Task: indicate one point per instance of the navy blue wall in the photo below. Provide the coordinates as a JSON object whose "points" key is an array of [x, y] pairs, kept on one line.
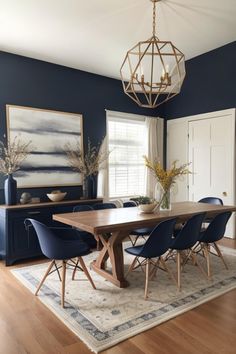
{"points": [[209, 84], [34, 83]]}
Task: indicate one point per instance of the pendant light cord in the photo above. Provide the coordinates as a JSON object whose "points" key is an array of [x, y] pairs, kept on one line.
{"points": [[154, 19]]}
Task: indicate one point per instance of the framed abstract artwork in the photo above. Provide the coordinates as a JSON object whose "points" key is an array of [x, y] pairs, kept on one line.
{"points": [[48, 131]]}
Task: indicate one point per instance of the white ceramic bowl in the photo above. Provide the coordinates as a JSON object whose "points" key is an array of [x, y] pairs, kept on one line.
{"points": [[56, 197], [147, 208]]}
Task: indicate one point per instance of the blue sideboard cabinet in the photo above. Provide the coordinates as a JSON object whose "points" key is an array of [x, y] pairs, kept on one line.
{"points": [[17, 243]]}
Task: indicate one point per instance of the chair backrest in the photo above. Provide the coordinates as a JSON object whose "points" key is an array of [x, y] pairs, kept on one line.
{"points": [[99, 206], [159, 240], [211, 200], [49, 242], [189, 234], [129, 204], [216, 228], [82, 208]]}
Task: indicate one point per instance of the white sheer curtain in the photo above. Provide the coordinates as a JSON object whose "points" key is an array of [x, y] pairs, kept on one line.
{"points": [[103, 185], [154, 151], [155, 127]]}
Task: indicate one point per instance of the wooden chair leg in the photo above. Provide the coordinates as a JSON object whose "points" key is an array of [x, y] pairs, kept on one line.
{"points": [[220, 255], [57, 269], [153, 273], [179, 270], [147, 279], [133, 241], [131, 267], [45, 276], [207, 256], [86, 271], [74, 271], [63, 283], [194, 258], [164, 265]]}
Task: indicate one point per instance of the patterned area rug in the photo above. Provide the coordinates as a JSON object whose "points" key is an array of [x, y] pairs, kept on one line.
{"points": [[104, 317]]}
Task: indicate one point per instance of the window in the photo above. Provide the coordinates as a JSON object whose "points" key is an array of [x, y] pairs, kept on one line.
{"points": [[127, 141]]}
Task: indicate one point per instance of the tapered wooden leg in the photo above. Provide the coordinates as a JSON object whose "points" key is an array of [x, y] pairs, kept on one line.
{"points": [[132, 265], [57, 269], [220, 255], [86, 271], [63, 283], [164, 265], [147, 279], [154, 270], [45, 276], [194, 258], [74, 271], [207, 256], [179, 270]]}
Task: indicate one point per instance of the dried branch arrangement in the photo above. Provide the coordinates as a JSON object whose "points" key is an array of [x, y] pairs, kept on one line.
{"points": [[167, 178], [89, 163], [12, 155]]}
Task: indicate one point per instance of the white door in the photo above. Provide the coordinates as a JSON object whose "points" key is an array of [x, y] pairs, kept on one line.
{"points": [[211, 151]]}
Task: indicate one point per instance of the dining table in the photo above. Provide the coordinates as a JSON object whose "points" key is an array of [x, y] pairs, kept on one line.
{"points": [[112, 226]]}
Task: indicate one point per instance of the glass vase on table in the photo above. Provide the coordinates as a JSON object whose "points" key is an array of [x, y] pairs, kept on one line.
{"points": [[163, 196]]}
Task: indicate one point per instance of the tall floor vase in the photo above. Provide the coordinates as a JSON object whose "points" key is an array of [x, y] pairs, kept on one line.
{"points": [[10, 190], [90, 187]]}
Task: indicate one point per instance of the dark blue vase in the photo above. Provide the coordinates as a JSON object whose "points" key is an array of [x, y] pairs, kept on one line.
{"points": [[90, 191], [10, 188]]}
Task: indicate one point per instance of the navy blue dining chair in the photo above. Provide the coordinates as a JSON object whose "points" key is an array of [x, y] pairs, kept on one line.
{"points": [[87, 237], [129, 204], [207, 200], [152, 251], [137, 233], [60, 244], [208, 238], [185, 240], [82, 207], [210, 200], [100, 206]]}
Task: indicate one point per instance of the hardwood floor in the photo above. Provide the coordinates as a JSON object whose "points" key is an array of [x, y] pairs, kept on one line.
{"points": [[28, 327]]}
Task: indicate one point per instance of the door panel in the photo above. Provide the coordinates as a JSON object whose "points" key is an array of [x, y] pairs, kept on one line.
{"points": [[211, 150]]}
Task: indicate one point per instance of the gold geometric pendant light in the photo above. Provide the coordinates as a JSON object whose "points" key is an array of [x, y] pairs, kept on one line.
{"points": [[153, 71]]}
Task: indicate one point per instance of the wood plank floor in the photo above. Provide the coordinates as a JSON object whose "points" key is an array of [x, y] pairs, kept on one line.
{"points": [[27, 326]]}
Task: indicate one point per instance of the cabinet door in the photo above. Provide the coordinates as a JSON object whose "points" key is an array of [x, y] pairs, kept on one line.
{"points": [[23, 242]]}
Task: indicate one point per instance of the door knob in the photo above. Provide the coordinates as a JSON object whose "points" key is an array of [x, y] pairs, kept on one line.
{"points": [[224, 194]]}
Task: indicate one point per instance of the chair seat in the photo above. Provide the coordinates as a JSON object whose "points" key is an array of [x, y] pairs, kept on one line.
{"points": [[136, 250], [75, 249], [142, 231]]}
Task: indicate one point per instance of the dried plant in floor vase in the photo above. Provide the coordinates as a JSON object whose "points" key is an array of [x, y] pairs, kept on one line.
{"points": [[88, 164]]}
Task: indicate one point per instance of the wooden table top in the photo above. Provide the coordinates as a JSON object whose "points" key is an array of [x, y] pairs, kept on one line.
{"points": [[111, 220]]}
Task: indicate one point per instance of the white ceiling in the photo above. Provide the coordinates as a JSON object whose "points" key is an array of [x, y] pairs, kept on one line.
{"points": [[94, 35]]}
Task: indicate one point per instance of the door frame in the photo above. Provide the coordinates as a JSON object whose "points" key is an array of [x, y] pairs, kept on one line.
{"points": [[185, 122]]}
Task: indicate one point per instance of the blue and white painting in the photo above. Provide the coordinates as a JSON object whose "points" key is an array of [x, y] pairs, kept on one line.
{"points": [[48, 132]]}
